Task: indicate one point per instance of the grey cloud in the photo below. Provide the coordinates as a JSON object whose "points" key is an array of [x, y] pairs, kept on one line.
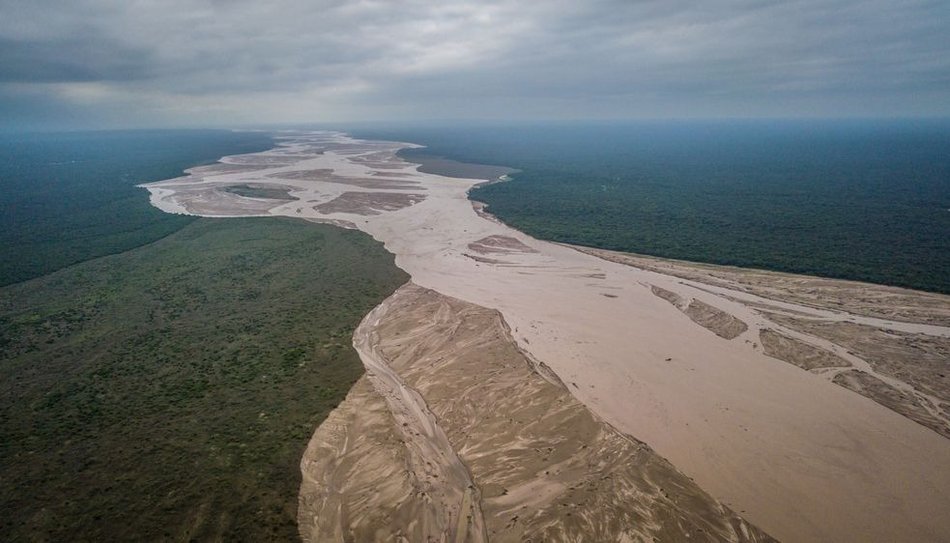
{"points": [[76, 59], [305, 60]]}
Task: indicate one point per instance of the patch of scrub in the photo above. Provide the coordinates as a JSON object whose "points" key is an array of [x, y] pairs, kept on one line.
{"points": [[268, 192], [219, 168], [715, 320], [919, 360], [854, 297], [369, 203], [499, 245], [667, 295], [892, 398], [327, 176], [709, 317], [797, 352]]}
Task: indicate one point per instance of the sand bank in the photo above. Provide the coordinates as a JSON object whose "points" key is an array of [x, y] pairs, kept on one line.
{"points": [[490, 449]]}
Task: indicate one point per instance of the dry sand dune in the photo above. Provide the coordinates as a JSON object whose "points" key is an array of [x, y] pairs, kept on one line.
{"points": [[806, 452], [529, 461]]}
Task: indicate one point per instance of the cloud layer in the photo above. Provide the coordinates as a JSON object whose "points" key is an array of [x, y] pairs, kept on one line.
{"points": [[190, 62]]}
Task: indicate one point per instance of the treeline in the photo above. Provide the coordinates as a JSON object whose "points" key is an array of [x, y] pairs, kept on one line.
{"points": [[168, 393], [868, 201], [69, 197]]}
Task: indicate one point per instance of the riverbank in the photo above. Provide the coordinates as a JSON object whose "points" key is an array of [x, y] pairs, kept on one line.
{"points": [[857, 200], [167, 393]]}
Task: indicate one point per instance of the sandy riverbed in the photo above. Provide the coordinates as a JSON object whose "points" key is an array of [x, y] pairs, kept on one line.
{"points": [[802, 455], [486, 448]]}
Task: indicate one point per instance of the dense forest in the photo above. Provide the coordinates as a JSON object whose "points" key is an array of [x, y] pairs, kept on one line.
{"points": [[851, 199], [161, 375], [167, 393], [68, 197]]}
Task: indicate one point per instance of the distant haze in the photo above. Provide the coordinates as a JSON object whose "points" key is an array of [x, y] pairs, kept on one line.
{"points": [[112, 63]]}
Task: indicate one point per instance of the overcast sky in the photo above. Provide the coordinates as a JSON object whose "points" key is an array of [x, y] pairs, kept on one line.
{"points": [[105, 63]]}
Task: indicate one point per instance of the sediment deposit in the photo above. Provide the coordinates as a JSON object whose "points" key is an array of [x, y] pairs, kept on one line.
{"points": [[517, 457]]}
